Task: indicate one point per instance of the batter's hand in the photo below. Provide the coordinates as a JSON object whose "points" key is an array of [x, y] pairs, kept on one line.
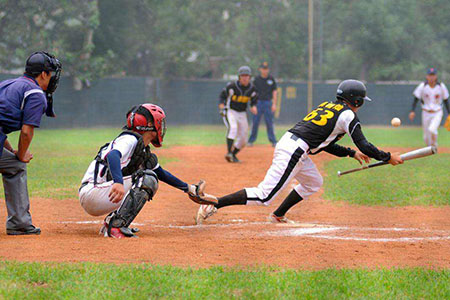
{"points": [[412, 115], [26, 157], [361, 157], [395, 159], [117, 192], [253, 110], [274, 107]]}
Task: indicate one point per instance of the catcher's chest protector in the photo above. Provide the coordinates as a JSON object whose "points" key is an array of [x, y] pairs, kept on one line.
{"points": [[140, 154]]}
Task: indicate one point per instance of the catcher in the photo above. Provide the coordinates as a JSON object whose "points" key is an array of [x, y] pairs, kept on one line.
{"points": [[125, 174]]}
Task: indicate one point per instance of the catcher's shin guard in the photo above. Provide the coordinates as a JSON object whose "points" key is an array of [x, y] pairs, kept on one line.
{"points": [[145, 185]]}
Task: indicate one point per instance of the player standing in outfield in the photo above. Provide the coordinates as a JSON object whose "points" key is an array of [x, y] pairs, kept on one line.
{"points": [[266, 86], [432, 94], [319, 130], [233, 102], [124, 175], [23, 101]]}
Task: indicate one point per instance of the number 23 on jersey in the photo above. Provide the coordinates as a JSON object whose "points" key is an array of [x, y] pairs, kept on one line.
{"points": [[323, 113]]}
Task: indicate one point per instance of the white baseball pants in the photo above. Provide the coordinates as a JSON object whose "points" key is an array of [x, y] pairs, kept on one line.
{"points": [[430, 125], [237, 125], [290, 160], [95, 199]]}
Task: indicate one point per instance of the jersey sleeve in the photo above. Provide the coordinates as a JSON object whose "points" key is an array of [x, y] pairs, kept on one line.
{"points": [[34, 106], [253, 97], [418, 91], [274, 85], [125, 144], [226, 91], [365, 147], [444, 91]]}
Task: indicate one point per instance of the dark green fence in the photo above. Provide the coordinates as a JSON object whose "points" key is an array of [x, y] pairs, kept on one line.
{"points": [[195, 101]]}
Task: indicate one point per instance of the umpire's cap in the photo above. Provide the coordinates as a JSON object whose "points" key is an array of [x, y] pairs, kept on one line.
{"points": [[41, 61], [244, 70], [353, 92]]}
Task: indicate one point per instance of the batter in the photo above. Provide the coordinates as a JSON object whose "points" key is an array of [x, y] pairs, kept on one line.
{"points": [[318, 131]]}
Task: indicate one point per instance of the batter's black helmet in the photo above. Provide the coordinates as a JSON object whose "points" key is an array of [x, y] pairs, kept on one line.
{"points": [[352, 91], [244, 70]]}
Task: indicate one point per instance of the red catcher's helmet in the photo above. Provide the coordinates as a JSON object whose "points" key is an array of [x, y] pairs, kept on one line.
{"points": [[139, 117]]}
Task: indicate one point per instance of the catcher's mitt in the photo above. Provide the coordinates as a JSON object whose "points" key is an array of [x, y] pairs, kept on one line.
{"points": [[196, 193], [447, 123]]}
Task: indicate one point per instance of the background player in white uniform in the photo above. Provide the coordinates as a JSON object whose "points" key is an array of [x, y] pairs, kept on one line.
{"points": [[432, 94], [124, 175], [319, 130], [233, 102]]}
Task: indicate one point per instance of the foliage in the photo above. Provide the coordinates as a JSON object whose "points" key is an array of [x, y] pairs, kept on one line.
{"points": [[371, 40]]}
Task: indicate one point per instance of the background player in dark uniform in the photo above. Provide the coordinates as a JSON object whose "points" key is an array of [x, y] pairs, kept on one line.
{"points": [[233, 102], [23, 101], [266, 86], [319, 130]]}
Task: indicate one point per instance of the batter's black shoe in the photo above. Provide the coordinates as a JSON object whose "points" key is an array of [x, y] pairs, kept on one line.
{"points": [[235, 159], [24, 231]]}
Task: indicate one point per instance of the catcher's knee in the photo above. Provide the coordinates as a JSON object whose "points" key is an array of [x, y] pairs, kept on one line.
{"points": [[146, 180], [145, 185]]}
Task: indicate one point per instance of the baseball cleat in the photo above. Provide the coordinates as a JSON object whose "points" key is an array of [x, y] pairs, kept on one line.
{"points": [[229, 157], [277, 220], [204, 212], [235, 159], [118, 233]]}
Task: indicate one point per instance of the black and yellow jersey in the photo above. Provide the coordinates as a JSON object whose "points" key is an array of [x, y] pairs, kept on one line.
{"points": [[327, 124], [237, 96]]}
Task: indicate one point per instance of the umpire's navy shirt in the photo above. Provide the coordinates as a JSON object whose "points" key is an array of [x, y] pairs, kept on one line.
{"points": [[265, 86], [22, 102]]}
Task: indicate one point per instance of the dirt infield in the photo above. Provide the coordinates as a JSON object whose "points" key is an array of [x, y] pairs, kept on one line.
{"points": [[328, 234]]}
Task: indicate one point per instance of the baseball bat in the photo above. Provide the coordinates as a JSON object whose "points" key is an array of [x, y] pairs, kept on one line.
{"points": [[422, 152]]}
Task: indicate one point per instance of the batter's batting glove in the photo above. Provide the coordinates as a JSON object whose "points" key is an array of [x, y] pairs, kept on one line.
{"points": [[196, 193]]}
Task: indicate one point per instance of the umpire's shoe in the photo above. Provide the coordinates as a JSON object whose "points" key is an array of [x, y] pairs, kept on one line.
{"points": [[24, 231]]}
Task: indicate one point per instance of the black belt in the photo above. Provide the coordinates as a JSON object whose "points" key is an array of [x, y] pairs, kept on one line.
{"points": [[294, 137], [83, 184]]}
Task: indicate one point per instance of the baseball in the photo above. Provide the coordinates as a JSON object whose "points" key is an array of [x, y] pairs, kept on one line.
{"points": [[396, 122]]}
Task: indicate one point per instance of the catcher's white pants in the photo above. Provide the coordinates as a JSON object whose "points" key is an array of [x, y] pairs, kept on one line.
{"points": [[237, 125], [430, 125], [95, 199], [290, 160]]}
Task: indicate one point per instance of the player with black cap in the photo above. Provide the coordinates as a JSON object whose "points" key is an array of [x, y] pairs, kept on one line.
{"points": [[319, 130], [23, 101]]}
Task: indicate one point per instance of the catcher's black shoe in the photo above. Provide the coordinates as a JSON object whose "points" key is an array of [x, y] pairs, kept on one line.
{"points": [[24, 231]]}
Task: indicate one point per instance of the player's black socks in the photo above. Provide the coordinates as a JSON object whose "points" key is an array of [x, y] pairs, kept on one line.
{"points": [[235, 151], [292, 199], [229, 144], [238, 198]]}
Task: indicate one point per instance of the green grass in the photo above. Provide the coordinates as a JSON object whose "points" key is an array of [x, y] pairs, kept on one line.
{"points": [[143, 281], [423, 181], [62, 157]]}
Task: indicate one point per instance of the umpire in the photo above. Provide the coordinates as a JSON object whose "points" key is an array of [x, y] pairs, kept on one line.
{"points": [[23, 101], [267, 103]]}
